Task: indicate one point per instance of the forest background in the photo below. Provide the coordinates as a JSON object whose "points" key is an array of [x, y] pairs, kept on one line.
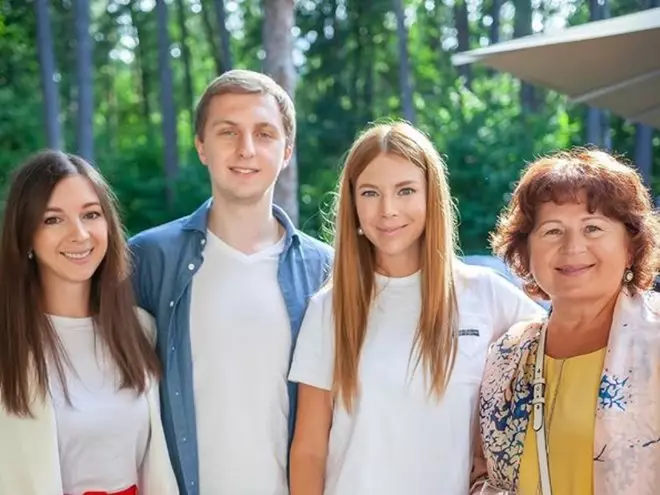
{"points": [[117, 81]]}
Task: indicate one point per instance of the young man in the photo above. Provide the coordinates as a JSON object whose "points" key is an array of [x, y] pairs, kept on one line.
{"points": [[228, 286]]}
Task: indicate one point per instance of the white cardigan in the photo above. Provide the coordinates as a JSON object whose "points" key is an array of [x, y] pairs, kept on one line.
{"points": [[29, 456]]}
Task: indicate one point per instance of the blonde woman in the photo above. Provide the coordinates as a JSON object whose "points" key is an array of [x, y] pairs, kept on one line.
{"points": [[390, 354]]}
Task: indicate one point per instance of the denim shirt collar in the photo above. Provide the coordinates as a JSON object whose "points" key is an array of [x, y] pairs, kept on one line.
{"points": [[198, 221]]}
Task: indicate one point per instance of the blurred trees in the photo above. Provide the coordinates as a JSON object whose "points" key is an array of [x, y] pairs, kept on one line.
{"points": [[348, 62]]}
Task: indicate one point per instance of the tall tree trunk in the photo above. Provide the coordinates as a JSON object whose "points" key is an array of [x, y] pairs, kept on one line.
{"points": [[278, 44], [594, 115], [494, 28], [644, 151], [494, 31], [85, 80], [368, 69], [522, 26], [405, 77], [111, 127], [368, 95], [167, 103], [65, 54], [644, 137], [210, 36], [143, 68], [185, 57], [606, 130], [47, 69], [356, 16], [463, 34], [359, 81], [225, 42]]}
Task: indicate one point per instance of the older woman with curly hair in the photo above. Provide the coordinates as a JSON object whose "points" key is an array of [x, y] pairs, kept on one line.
{"points": [[571, 404]]}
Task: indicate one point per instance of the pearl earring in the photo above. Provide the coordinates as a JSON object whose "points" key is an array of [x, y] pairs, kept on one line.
{"points": [[30, 254], [360, 231], [628, 275]]}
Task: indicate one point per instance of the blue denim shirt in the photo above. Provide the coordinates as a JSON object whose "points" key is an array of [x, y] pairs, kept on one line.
{"points": [[165, 260]]}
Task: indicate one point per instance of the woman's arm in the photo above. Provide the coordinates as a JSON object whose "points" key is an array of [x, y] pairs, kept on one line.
{"points": [[479, 474], [310, 441]]}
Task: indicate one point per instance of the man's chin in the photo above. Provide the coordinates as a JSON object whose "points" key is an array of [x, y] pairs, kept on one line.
{"points": [[244, 197]]}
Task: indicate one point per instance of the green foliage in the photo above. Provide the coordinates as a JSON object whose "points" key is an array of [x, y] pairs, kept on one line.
{"points": [[348, 77], [141, 190]]}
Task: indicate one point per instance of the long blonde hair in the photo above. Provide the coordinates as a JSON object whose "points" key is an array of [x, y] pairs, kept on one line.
{"points": [[353, 272]]}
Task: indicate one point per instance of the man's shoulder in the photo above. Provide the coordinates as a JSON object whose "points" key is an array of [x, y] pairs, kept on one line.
{"points": [[173, 233], [314, 247], [159, 236]]}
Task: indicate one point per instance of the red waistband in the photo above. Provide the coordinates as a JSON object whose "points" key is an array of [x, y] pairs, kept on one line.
{"points": [[129, 491]]}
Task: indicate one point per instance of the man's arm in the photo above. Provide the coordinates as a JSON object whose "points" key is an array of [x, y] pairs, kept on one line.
{"points": [[141, 273]]}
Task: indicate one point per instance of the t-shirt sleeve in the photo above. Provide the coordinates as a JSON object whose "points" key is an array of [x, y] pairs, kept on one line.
{"points": [[313, 358], [512, 306]]}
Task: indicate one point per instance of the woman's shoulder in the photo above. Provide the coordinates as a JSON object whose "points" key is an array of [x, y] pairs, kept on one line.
{"points": [[652, 305], [504, 360], [519, 337], [639, 309]]}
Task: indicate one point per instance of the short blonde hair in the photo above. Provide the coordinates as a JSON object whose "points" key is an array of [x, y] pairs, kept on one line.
{"points": [[246, 82]]}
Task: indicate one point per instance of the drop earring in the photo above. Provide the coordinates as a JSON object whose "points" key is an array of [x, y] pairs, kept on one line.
{"points": [[30, 254]]}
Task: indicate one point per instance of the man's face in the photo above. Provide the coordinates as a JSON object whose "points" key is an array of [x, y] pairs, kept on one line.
{"points": [[244, 146]]}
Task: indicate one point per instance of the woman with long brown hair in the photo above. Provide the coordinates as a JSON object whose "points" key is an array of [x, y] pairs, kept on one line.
{"points": [[79, 403], [390, 354]]}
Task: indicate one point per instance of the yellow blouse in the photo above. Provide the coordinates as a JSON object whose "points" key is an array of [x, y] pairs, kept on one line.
{"points": [[571, 393]]}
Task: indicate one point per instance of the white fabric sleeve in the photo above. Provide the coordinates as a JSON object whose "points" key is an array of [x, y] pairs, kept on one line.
{"points": [[313, 358], [511, 306]]}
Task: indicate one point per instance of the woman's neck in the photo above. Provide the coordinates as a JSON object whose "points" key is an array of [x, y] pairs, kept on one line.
{"points": [[67, 299], [576, 328]]}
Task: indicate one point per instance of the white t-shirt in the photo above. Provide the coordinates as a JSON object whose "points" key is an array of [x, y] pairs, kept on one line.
{"points": [[102, 436], [398, 440], [241, 344]]}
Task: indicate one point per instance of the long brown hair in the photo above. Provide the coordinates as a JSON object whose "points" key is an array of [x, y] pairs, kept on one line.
{"points": [[353, 273], [28, 339]]}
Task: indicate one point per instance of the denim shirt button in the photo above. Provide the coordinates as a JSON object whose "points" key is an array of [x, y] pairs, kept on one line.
{"points": [[171, 304], [191, 266], [176, 393], [202, 242]]}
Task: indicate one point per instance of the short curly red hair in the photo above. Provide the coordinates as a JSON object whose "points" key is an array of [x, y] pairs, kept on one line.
{"points": [[611, 187]]}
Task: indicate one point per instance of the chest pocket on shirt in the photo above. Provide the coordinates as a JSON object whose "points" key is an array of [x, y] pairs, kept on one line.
{"points": [[473, 340]]}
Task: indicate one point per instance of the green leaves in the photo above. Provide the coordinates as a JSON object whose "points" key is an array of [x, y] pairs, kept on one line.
{"points": [[348, 70]]}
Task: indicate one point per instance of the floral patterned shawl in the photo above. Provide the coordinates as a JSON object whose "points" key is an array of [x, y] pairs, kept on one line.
{"points": [[627, 433]]}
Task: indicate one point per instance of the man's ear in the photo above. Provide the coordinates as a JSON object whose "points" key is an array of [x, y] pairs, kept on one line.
{"points": [[288, 154], [199, 146]]}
